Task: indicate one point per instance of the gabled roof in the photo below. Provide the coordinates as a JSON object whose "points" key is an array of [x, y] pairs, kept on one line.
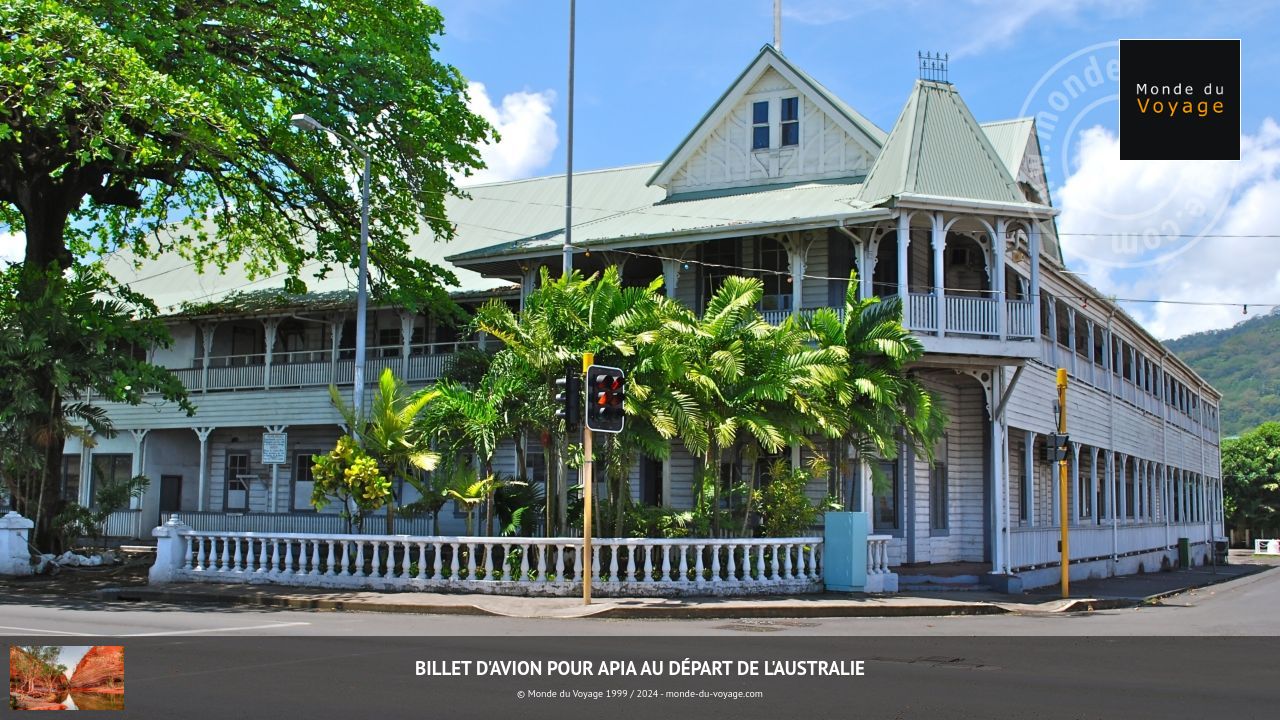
{"points": [[937, 149], [1009, 139], [855, 123]]}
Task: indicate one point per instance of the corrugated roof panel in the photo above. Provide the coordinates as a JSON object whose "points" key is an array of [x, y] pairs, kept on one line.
{"points": [[497, 213], [937, 148], [1009, 139], [780, 205]]}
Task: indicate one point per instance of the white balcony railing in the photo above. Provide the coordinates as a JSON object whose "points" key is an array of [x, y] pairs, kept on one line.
{"points": [[971, 315], [1022, 320], [317, 368], [922, 311]]}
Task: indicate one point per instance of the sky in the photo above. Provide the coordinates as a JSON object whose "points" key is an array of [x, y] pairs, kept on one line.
{"points": [[71, 656], [646, 73]]}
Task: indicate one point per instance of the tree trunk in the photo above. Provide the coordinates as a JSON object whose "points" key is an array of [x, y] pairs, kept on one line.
{"points": [[44, 214]]}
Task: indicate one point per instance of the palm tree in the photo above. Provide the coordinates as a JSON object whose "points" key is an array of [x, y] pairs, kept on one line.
{"points": [[564, 318], [747, 379], [877, 396], [390, 434]]}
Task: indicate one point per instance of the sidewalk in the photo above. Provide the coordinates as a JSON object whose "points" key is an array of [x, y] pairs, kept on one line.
{"points": [[1087, 595]]}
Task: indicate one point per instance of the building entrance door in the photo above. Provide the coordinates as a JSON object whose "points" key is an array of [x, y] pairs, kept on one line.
{"points": [[170, 493]]}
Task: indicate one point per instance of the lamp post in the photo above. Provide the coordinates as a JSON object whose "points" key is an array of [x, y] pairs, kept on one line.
{"points": [[308, 123]]}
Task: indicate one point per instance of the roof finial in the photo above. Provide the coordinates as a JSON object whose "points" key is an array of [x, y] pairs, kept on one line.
{"points": [[777, 25], [933, 67]]}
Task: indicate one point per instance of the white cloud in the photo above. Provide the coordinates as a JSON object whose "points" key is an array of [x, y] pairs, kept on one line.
{"points": [[528, 133], [994, 23], [1138, 205], [817, 12], [13, 246]]}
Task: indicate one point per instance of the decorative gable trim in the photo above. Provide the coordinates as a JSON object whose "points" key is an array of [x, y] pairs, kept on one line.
{"points": [[865, 134]]}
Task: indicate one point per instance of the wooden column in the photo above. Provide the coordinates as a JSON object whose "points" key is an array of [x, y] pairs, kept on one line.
{"points": [[997, 280], [269, 327], [938, 241], [206, 336], [1033, 243], [904, 242], [203, 434], [1029, 477]]}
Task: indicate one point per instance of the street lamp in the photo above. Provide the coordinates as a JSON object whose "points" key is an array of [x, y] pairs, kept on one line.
{"points": [[310, 124]]}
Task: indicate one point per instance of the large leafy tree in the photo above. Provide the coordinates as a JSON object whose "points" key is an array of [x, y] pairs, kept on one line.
{"points": [[82, 336], [156, 127], [1251, 480]]}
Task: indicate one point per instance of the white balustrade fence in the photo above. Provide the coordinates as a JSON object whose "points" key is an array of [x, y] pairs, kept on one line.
{"points": [[496, 565], [880, 579]]}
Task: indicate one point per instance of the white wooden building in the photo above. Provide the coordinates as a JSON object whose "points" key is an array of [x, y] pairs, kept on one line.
{"points": [[951, 215]]}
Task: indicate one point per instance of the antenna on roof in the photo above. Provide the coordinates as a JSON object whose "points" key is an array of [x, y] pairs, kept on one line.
{"points": [[933, 67], [777, 25]]}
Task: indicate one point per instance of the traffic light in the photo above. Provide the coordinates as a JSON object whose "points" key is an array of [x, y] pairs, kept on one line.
{"points": [[1059, 446], [569, 398], [606, 389]]}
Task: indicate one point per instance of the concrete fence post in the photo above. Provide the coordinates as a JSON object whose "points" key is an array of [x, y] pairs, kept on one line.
{"points": [[15, 556], [170, 551]]}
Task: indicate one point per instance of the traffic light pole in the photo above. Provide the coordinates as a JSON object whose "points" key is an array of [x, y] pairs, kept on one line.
{"points": [[587, 465], [1062, 484]]}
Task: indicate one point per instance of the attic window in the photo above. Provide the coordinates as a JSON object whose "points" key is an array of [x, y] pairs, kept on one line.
{"points": [[760, 125], [790, 121]]}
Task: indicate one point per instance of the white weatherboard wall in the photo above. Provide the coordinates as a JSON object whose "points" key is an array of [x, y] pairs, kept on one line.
{"points": [[965, 456]]}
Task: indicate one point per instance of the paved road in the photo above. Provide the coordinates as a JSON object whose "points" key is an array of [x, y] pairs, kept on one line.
{"points": [[1239, 608], [207, 662]]}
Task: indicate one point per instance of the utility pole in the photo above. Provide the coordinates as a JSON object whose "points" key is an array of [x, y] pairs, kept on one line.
{"points": [[568, 153], [1062, 480], [588, 359]]}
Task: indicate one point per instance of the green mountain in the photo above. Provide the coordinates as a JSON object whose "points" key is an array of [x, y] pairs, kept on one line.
{"points": [[1243, 363]]}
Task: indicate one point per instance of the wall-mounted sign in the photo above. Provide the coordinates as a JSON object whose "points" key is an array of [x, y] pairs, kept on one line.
{"points": [[274, 448]]}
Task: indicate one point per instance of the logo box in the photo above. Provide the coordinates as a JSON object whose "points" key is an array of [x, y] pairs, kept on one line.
{"points": [[1179, 99]]}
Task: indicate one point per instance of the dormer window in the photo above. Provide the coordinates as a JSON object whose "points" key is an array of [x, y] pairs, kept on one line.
{"points": [[790, 121], [760, 125]]}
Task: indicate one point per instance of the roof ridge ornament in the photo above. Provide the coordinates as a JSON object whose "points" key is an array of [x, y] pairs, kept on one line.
{"points": [[933, 66]]}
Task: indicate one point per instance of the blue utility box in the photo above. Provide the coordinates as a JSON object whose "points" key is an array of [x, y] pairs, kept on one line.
{"points": [[844, 551]]}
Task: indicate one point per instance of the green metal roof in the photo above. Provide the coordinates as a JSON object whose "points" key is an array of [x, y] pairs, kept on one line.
{"points": [[937, 149], [694, 213], [1009, 139]]}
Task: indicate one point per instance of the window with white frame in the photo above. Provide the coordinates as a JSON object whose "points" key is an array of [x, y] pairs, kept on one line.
{"points": [[108, 468], [760, 125], [790, 121], [237, 499], [303, 482], [884, 499]]}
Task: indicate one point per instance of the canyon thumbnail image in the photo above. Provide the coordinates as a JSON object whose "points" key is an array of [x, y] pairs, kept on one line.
{"points": [[66, 677]]}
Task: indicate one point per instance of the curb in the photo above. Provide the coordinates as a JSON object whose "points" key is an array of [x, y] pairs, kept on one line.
{"points": [[692, 612], [710, 611]]}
